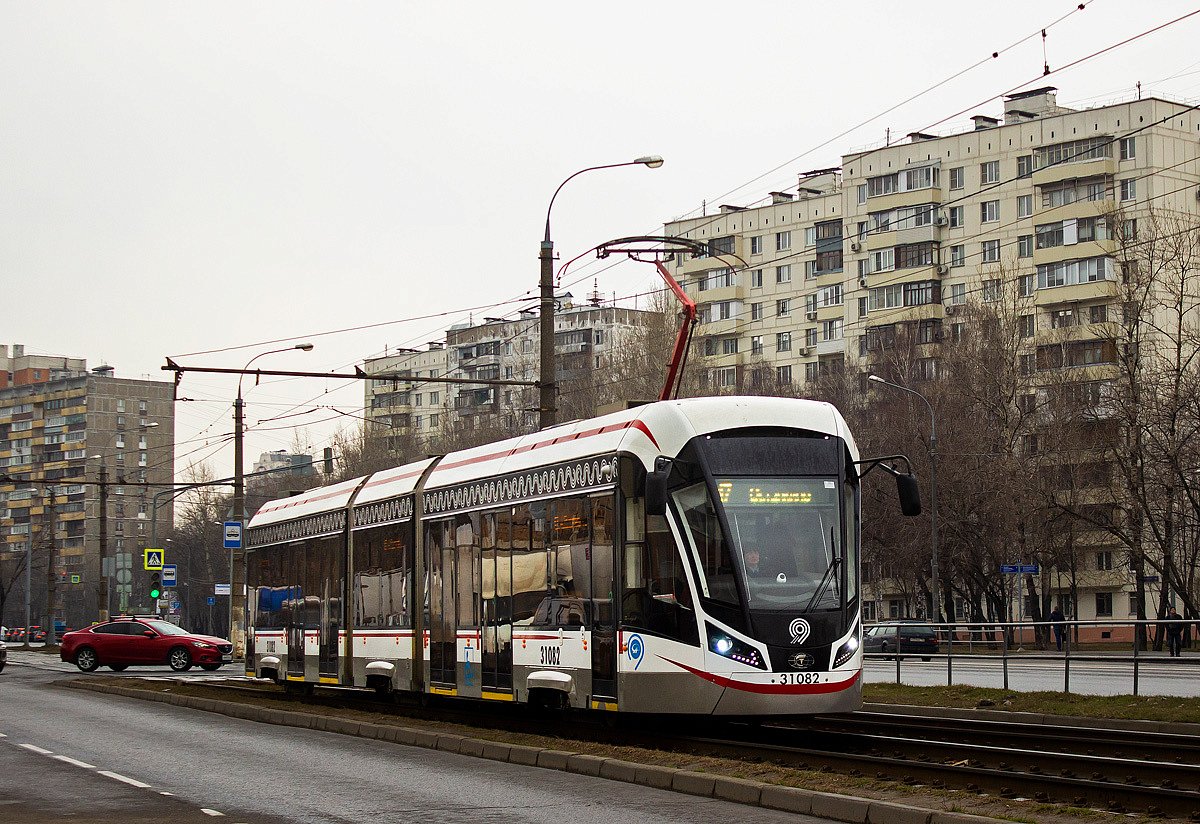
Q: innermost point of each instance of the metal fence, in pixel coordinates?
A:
(1130, 642)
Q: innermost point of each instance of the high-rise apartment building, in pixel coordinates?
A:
(900, 238)
(59, 425)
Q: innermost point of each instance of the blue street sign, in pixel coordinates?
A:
(233, 534)
(1029, 569)
(170, 574)
(211, 600)
(1009, 569)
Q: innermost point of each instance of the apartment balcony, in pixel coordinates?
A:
(897, 200)
(1070, 171)
(722, 293)
(1075, 293)
(829, 347)
(692, 266)
(831, 312)
(1078, 209)
(1084, 249)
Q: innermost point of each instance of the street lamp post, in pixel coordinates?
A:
(935, 594)
(237, 598)
(547, 403)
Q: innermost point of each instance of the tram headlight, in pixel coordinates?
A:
(722, 644)
(846, 651)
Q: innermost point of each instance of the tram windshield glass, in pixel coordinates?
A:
(786, 536)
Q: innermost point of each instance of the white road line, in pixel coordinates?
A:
(76, 763)
(133, 782)
(207, 811)
(35, 749)
(164, 792)
(2, 735)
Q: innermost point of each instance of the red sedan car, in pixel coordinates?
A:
(140, 641)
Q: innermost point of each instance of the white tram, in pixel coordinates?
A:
(693, 556)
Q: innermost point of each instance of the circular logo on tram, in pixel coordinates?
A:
(799, 630)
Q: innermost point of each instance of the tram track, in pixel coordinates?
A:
(1079, 767)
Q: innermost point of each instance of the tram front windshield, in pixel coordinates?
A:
(785, 536)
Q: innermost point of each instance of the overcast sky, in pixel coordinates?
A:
(182, 178)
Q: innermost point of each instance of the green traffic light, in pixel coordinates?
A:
(154, 593)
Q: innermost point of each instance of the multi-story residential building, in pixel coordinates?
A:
(400, 405)
(285, 463)
(397, 407)
(899, 238)
(59, 424)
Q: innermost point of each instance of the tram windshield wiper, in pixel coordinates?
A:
(829, 576)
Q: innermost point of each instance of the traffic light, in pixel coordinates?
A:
(155, 585)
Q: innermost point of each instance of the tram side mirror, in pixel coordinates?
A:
(910, 494)
(656, 487)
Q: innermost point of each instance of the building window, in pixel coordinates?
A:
(756, 311)
(958, 256)
(783, 241)
(862, 307)
(956, 217)
(1128, 148)
(1024, 205)
(783, 308)
(1129, 189)
(1025, 325)
(1025, 246)
(913, 255)
(831, 329)
(810, 236)
(990, 291)
(1104, 560)
(1025, 284)
(1071, 272)
(956, 178)
(989, 172)
(1098, 313)
(756, 245)
(990, 251)
(756, 345)
(729, 346)
(989, 211)
(958, 294)
(1103, 604)
(810, 336)
(783, 342)
(1025, 166)
(862, 193)
(783, 274)
(755, 278)
(812, 371)
(783, 375)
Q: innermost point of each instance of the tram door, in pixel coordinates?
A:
(496, 602)
(328, 570)
(604, 629)
(293, 609)
(439, 547)
(467, 589)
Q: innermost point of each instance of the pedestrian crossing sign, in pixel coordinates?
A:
(153, 559)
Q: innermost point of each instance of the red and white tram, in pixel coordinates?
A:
(691, 556)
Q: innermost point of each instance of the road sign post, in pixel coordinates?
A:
(152, 559)
(170, 575)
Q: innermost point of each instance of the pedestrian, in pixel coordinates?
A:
(1059, 625)
(1174, 632)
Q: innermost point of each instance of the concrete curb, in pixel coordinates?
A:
(739, 790)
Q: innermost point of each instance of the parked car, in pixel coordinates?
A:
(3, 655)
(125, 642)
(912, 637)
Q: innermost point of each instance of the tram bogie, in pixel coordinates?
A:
(695, 556)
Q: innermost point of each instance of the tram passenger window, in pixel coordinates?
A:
(528, 566)
(466, 531)
(569, 536)
(602, 560)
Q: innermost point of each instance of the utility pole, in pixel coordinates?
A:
(237, 598)
(546, 404)
(50, 571)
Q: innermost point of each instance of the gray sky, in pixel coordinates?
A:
(179, 178)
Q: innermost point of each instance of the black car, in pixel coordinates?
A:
(911, 637)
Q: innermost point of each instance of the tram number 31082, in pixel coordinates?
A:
(552, 656)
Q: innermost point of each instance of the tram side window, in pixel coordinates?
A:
(712, 551)
(570, 540)
(528, 564)
(466, 536)
(602, 560)
(850, 530)
(656, 595)
(382, 572)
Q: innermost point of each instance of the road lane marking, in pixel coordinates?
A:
(164, 792)
(35, 749)
(207, 811)
(74, 762)
(133, 782)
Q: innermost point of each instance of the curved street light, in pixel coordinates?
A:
(547, 405)
(935, 595)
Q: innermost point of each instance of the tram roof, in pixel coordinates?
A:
(661, 428)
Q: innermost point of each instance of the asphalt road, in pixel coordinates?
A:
(262, 774)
